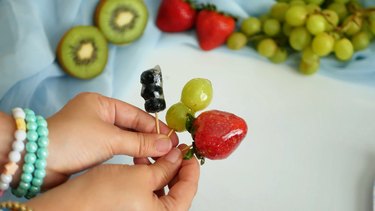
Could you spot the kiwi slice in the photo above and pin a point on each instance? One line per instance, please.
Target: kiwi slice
(83, 52)
(121, 21)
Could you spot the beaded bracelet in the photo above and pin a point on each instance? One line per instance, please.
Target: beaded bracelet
(17, 148)
(15, 206)
(40, 163)
(35, 159)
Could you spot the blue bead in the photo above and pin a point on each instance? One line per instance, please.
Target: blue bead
(31, 147)
(28, 168)
(32, 135)
(42, 131)
(42, 153)
(43, 141)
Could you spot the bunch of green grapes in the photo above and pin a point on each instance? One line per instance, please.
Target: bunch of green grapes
(316, 28)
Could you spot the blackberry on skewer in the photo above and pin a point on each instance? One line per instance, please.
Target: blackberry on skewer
(152, 92)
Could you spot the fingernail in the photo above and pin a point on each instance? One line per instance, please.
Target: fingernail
(173, 155)
(163, 145)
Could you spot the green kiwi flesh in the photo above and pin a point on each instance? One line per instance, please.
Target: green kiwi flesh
(122, 21)
(83, 52)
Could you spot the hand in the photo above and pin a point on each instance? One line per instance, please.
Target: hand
(92, 128)
(124, 187)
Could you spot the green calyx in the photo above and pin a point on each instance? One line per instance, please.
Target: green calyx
(212, 7)
(193, 4)
(192, 151)
(189, 124)
(208, 6)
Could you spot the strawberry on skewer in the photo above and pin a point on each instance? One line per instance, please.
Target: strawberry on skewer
(216, 134)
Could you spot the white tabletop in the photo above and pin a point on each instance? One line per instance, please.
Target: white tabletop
(310, 143)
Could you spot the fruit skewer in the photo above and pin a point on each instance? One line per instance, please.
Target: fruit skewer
(170, 133)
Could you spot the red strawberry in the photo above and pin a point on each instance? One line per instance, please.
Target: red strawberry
(216, 134)
(175, 15)
(213, 28)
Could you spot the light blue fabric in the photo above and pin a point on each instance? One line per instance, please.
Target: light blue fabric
(31, 30)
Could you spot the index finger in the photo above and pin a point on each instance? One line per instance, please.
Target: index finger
(125, 115)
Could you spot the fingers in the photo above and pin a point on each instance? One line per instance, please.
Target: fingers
(141, 161)
(128, 116)
(183, 191)
(139, 144)
(165, 168)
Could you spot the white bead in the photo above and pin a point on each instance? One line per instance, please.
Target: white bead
(18, 146)
(4, 186)
(20, 135)
(14, 156)
(18, 113)
(6, 178)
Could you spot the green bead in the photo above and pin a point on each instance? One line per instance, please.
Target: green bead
(32, 135)
(24, 185)
(32, 126)
(30, 195)
(43, 141)
(40, 164)
(41, 122)
(39, 173)
(28, 168)
(26, 177)
(31, 147)
(30, 118)
(37, 182)
(28, 111)
(38, 118)
(42, 153)
(19, 192)
(42, 131)
(30, 158)
(33, 191)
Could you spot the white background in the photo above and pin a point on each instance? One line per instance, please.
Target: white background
(311, 140)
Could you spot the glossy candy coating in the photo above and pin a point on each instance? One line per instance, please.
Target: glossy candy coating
(152, 90)
(217, 134)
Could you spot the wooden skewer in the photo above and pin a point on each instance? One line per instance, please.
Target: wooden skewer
(186, 148)
(170, 133)
(157, 123)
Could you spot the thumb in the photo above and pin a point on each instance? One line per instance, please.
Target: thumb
(166, 168)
